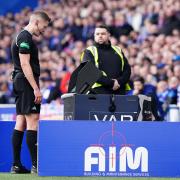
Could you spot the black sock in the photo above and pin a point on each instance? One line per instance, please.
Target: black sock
(31, 139)
(17, 138)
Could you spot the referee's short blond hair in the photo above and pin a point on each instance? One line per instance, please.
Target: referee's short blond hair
(42, 15)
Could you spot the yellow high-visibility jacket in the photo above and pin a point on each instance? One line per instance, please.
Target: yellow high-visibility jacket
(94, 52)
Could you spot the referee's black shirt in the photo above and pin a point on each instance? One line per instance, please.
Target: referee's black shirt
(24, 44)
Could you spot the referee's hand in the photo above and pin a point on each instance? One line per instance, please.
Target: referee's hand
(38, 96)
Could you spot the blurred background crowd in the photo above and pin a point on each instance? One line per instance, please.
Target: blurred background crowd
(148, 31)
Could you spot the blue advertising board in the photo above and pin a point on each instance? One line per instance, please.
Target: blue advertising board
(90, 148)
(6, 158)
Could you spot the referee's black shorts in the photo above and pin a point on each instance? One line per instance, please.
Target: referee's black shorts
(24, 95)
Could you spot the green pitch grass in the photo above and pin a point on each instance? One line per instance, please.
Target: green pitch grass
(8, 176)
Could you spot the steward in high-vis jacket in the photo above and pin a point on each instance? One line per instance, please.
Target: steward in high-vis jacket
(111, 61)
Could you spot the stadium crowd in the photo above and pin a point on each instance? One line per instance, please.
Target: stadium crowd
(147, 31)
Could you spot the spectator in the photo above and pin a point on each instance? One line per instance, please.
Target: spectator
(4, 93)
(173, 90)
(122, 27)
(162, 94)
(139, 87)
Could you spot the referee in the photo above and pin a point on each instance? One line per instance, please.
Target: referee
(26, 88)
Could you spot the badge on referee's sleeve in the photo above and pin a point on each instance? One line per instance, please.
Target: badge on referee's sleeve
(25, 45)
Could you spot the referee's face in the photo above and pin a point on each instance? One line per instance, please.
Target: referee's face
(101, 36)
(41, 25)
